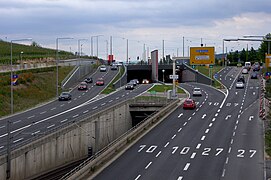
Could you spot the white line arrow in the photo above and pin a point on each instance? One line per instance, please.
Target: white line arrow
(250, 118)
(235, 104)
(203, 116)
(180, 115)
(227, 117)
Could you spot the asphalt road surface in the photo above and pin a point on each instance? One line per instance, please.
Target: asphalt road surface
(221, 139)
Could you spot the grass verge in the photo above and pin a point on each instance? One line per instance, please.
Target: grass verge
(164, 88)
(110, 88)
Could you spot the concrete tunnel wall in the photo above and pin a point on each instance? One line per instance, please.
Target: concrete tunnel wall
(68, 144)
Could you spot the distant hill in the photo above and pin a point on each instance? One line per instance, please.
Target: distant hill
(29, 53)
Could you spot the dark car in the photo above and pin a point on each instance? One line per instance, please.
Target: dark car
(129, 86)
(65, 96)
(256, 66)
(100, 82)
(114, 67)
(253, 75)
(189, 104)
(89, 80)
(241, 79)
(83, 86)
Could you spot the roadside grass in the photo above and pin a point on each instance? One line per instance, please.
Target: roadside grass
(35, 86)
(110, 88)
(205, 70)
(268, 141)
(164, 88)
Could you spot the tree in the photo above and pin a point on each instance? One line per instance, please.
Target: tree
(252, 55)
(264, 46)
(35, 44)
(243, 55)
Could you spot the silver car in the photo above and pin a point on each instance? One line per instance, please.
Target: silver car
(240, 85)
(197, 92)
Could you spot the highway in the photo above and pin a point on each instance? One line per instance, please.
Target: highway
(221, 139)
(42, 120)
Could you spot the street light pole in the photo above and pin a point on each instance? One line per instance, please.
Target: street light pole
(163, 75)
(21, 59)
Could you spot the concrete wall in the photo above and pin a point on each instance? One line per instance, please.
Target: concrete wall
(68, 144)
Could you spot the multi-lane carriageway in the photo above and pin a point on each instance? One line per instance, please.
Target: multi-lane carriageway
(221, 139)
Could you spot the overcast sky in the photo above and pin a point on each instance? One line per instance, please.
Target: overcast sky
(141, 22)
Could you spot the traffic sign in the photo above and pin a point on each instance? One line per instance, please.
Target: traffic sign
(268, 60)
(216, 75)
(202, 55)
(173, 76)
(211, 66)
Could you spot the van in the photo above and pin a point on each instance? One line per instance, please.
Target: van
(248, 65)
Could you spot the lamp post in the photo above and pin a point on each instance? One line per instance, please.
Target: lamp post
(21, 59)
(174, 80)
(163, 75)
(11, 108)
(97, 42)
(57, 61)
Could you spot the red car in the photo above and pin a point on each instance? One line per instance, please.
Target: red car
(83, 86)
(189, 104)
(100, 82)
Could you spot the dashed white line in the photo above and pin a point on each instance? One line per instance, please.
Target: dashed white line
(18, 140)
(207, 130)
(184, 123)
(237, 121)
(103, 104)
(166, 144)
(62, 105)
(227, 160)
(85, 111)
(64, 120)
(158, 154)
(213, 119)
(173, 136)
(117, 97)
(110, 101)
(53, 108)
(1, 147)
(43, 112)
(235, 127)
(75, 116)
(180, 129)
(193, 155)
(2, 127)
(231, 141)
(216, 114)
(51, 126)
(223, 174)
(95, 107)
(189, 118)
(180, 115)
(198, 146)
(186, 166)
(210, 125)
(218, 110)
(229, 150)
(79, 96)
(202, 138)
(17, 121)
(180, 178)
(31, 117)
(193, 114)
(35, 133)
(123, 95)
(233, 134)
(148, 165)
(138, 177)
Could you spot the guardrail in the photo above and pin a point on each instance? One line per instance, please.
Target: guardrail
(120, 142)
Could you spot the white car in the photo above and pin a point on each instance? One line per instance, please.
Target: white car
(244, 71)
(102, 68)
(239, 84)
(145, 81)
(197, 92)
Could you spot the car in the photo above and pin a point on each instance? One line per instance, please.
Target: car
(253, 75)
(65, 96)
(114, 67)
(100, 82)
(89, 80)
(244, 71)
(133, 82)
(136, 80)
(102, 68)
(189, 104)
(248, 65)
(239, 65)
(197, 92)
(240, 85)
(256, 66)
(241, 79)
(129, 86)
(145, 81)
(83, 86)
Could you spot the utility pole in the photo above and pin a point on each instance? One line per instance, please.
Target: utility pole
(163, 51)
(183, 46)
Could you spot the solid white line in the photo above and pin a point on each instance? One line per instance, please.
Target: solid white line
(180, 129)
(64, 120)
(148, 165)
(173, 136)
(51, 126)
(75, 116)
(18, 140)
(198, 146)
(207, 130)
(186, 166)
(202, 138)
(138, 177)
(166, 144)
(158, 154)
(193, 155)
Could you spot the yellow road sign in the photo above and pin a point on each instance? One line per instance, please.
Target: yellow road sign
(268, 60)
(202, 55)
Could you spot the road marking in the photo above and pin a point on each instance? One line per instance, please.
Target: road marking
(207, 130)
(223, 174)
(233, 134)
(189, 118)
(16, 121)
(184, 123)
(95, 107)
(186, 166)
(193, 155)
(1, 147)
(227, 117)
(236, 93)
(235, 127)
(193, 114)
(79, 96)
(123, 95)
(250, 118)
(110, 101)
(231, 141)
(62, 105)
(158, 154)
(173, 136)
(64, 120)
(198, 146)
(75, 99)
(237, 122)
(203, 116)
(166, 144)
(75, 116)
(117, 97)
(53, 108)
(51, 126)
(31, 117)
(2, 127)
(180, 115)
(43, 112)
(202, 138)
(138, 177)
(83, 94)
(18, 140)
(227, 160)
(216, 114)
(180, 129)
(210, 103)
(85, 111)
(228, 104)
(69, 102)
(235, 104)
(218, 110)
(103, 104)
(238, 116)
(35, 133)
(180, 178)
(213, 120)
(148, 165)
(210, 125)
(197, 109)
(229, 150)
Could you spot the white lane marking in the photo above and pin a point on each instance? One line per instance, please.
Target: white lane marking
(193, 114)
(18, 140)
(189, 118)
(2, 127)
(218, 110)
(103, 104)
(16, 121)
(231, 141)
(62, 105)
(64, 120)
(35, 133)
(193, 155)
(180, 129)
(184, 123)
(158, 154)
(233, 134)
(213, 120)
(75, 116)
(197, 109)
(235, 104)
(227, 160)
(83, 94)
(229, 150)
(237, 121)
(227, 117)
(31, 117)
(223, 174)
(210, 125)
(202, 138)
(69, 102)
(254, 93)
(207, 130)
(216, 114)
(235, 127)
(53, 108)
(173, 136)
(123, 95)
(203, 116)
(75, 99)
(1, 147)
(198, 146)
(43, 112)
(85, 111)
(95, 107)
(180, 178)
(79, 96)
(117, 97)
(186, 166)
(110, 101)
(166, 144)
(51, 126)
(180, 115)
(138, 177)
(250, 118)
(148, 165)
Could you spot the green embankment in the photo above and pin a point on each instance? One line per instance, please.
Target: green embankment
(110, 88)
(164, 88)
(205, 70)
(35, 86)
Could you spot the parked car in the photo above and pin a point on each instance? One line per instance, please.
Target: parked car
(197, 92)
(114, 67)
(253, 75)
(102, 68)
(65, 96)
(129, 86)
(189, 104)
(83, 86)
(244, 71)
(89, 80)
(145, 81)
(240, 85)
(100, 82)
